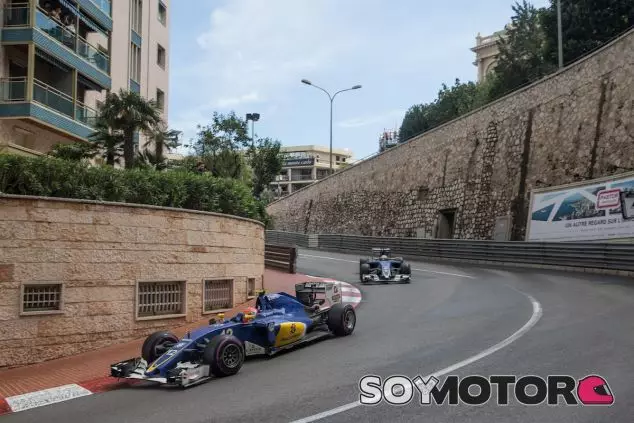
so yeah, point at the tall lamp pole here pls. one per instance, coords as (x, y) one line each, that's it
(253, 117)
(560, 43)
(332, 99)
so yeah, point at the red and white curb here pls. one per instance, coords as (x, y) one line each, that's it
(57, 394)
(350, 293)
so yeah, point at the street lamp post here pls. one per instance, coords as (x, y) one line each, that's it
(560, 42)
(332, 99)
(253, 117)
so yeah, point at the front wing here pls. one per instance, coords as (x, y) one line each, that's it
(185, 374)
(393, 279)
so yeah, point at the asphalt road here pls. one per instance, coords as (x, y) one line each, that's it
(582, 324)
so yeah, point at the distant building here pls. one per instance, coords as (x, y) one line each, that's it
(486, 51)
(388, 139)
(306, 164)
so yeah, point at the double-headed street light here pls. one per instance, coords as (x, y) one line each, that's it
(253, 117)
(332, 98)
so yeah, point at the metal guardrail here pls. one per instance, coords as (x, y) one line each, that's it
(287, 238)
(280, 257)
(611, 258)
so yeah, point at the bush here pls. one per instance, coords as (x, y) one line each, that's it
(50, 177)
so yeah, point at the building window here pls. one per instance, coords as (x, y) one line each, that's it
(161, 299)
(162, 13)
(41, 298)
(160, 56)
(136, 15)
(135, 62)
(250, 287)
(217, 295)
(160, 99)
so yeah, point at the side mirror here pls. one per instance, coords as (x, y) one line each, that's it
(212, 321)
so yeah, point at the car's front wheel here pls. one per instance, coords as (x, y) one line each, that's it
(157, 344)
(342, 319)
(225, 355)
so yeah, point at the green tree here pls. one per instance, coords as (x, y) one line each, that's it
(266, 160)
(128, 112)
(522, 58)
(226, 132)
(108, 142)
(452, 102)
(75, 151)
(586, 26)
(164, 140)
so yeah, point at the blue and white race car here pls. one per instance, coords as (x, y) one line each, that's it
(279, 321)
(381, 267)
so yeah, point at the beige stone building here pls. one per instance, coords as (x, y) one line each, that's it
(486, 51)
(307, 164)
(59, 59)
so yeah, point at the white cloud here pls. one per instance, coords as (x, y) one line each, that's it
(392, 115)
(228, 102)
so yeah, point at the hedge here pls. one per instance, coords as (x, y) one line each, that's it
(50, 177)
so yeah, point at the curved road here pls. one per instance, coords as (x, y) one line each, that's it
(582, 324)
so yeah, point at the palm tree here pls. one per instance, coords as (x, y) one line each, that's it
(164, 139)
(130, 113)
(108, 141)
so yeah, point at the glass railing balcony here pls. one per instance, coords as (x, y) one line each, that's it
(16, 15)
(104, 5)
(52, 98)
(301, 177)
(12, 89)
(73, 41)
(85, 114)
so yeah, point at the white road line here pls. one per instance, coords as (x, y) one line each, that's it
(419, 270)
(537, 314)
(45, 397)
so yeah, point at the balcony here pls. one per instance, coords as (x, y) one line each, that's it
(305, 178)
(49, 106)
(51, 36)
(99, 10)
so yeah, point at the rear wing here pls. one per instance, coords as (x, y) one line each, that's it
(325, 294)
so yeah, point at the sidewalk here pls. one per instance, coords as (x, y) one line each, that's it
(91, 370)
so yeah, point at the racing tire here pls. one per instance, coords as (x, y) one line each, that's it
(405, 269)
(362, 262)
(225, 355)
(151, 349)
(364, 270)
(342, 319)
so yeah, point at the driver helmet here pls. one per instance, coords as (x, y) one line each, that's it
(249, 314)
(383, 257)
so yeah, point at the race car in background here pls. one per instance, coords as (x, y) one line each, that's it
(381, 267)
(279, 321)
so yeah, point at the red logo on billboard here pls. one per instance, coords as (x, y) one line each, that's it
(609, 198)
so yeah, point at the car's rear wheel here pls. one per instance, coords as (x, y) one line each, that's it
(342, 319)
(157, 344)
(225, 355)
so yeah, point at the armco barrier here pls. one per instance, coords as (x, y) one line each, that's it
(610, 258)
(280, 257)
(287, 238)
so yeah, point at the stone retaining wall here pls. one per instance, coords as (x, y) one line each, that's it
(577, 124)
(99, 251)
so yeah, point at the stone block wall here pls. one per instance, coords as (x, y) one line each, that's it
(577, 124)
(99, 251)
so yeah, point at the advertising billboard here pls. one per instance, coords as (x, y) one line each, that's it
(580, 212)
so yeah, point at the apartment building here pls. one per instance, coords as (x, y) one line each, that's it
(59, 59)
(306, 164)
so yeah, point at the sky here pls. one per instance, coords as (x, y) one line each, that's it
(249, 56)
